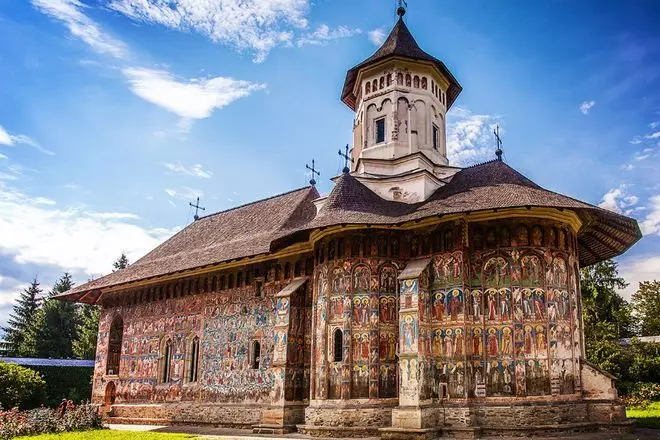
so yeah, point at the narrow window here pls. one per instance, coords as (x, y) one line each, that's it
(367, 88)
(239, 279)
(256, 355)
(194, 360)
(259, 288)
(435, 136)
(166, 361)
(114, 346)
(380, 130)
(339, 345)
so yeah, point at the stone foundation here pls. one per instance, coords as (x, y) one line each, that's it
(342, 419)
(231, 416)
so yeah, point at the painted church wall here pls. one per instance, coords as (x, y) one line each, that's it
(228, 323)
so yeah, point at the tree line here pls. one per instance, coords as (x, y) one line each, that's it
(43, 327)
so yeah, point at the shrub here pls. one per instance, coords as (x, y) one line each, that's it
(71, 383)
(20, 387)
(47, 420)
(643, 395)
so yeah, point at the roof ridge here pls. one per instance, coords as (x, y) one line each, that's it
(256, 201)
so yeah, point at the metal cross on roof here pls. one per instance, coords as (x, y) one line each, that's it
(347, 158)
(401, 10)
(499, 151)
(312, 181)
(197, 208)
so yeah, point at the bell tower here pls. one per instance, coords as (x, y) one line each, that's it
(401, 96)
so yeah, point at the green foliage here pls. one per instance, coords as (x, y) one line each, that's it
(55, 326)
(84, 347)
(71, 383)
(22, 318)
(643, 395)
(646, 307)
(120, 263)
(20, 387)
(48, 420)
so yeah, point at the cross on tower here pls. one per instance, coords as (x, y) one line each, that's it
(499, 151)
(197, 208)
(347, 158)
(313, 172)
(401, 10)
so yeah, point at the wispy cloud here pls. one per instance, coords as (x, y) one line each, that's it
(655, 135)
(196, 170)
(637, 269)
(81, 26)
(377, 36)
(323, 34)
(36, 231)
(195, 98)
(11, 140)
(254, 25)
(586, 107)
(470, 136)
(184, 193)
(650, 225)
(618, 199)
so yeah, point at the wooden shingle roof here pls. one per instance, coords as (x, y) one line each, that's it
(261, 227)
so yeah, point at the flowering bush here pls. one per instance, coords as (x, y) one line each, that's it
(643, 395)
(47, 420)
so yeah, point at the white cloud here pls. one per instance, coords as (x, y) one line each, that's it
(3, 156)
(254, 25)
(470, 137)
(655, 135)
(636, 140)
(184, 193)
(190, 99)
(35, 231)
(617, 199)
(11, 140)
(637, 269)
(323, 34)
(650, 225)
(586, 106)
(196, 170)
(81, 26)
(644, 154)
(377, 36)
(654, 125)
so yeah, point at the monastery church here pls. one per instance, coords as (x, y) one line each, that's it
(417, 299)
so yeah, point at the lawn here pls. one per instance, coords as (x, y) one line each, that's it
(109, 435)
(646, 418)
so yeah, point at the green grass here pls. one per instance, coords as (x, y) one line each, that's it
(109, 435)
(646, 418)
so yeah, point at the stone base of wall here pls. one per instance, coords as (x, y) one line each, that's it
(347, 419)
(231, 416)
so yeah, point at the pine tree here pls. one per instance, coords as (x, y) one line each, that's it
(84, 347)
(55, 324)
(22, 318)
(121, 262)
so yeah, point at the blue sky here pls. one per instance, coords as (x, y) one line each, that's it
(114, 114)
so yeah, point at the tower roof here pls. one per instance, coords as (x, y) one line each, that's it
(400, 43)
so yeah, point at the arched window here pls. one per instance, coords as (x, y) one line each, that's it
(374, 85)
(381, 82)
(367, 87)
(425, 84)
(408, 80)
(416, 82)
(338, 339)
(256, 355)
(389, 79)
(399, 78)
(114, 346)
(193, 362)
(166, 361)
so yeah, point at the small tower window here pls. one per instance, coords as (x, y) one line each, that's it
(408, 80)
(435, 136)
(416, 82)
(338, 340)
(367, 87)
(425, 83)
(381, 82)
(256, 355)
(380, 130)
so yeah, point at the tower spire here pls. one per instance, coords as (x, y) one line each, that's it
(498, 151)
